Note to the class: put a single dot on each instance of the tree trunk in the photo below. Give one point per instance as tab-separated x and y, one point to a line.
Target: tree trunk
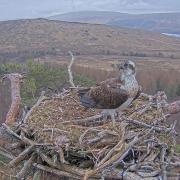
14	110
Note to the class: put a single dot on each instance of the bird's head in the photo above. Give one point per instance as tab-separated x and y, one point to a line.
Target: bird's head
127	68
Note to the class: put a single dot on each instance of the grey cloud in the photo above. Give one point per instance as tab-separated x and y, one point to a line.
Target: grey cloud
13	9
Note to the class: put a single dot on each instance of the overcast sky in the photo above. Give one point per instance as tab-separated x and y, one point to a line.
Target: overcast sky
15	9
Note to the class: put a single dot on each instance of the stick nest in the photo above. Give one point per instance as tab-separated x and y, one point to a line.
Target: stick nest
76	142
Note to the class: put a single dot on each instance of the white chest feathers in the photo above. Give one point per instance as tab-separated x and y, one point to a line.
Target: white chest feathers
131	85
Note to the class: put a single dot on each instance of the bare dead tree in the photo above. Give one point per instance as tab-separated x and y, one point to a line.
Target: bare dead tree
14	110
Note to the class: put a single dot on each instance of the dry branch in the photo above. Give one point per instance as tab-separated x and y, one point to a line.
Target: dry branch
162	159
142	124
55	171
41	98
62	167
14	110
27	167
70	71
117	157
21	156
5	154
117	147
11	132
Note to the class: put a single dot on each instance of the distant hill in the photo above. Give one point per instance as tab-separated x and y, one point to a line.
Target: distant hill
93	17
159	22
24	39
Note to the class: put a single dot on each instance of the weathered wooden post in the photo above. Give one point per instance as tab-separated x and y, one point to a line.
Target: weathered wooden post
15	107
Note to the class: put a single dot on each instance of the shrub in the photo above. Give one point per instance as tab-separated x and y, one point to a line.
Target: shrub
41	77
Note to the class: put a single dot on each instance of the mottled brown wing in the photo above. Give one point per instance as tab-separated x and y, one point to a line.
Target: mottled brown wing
111	82
108	95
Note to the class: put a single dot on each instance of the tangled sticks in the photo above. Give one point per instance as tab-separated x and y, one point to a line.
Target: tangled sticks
58	136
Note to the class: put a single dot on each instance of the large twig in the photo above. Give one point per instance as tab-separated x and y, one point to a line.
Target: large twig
163	164
118	157
118	146
27	167
55	171
6	154
74	172
11	132
41	98
89	121
70	71
21	156
10	176
142	124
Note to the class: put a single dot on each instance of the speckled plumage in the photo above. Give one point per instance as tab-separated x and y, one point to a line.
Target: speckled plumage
111	93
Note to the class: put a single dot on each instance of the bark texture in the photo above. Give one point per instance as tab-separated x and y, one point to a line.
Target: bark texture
15	107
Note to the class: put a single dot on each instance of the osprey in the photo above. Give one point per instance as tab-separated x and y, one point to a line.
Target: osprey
113	93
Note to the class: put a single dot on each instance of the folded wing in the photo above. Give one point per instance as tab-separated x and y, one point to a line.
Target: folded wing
108	94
